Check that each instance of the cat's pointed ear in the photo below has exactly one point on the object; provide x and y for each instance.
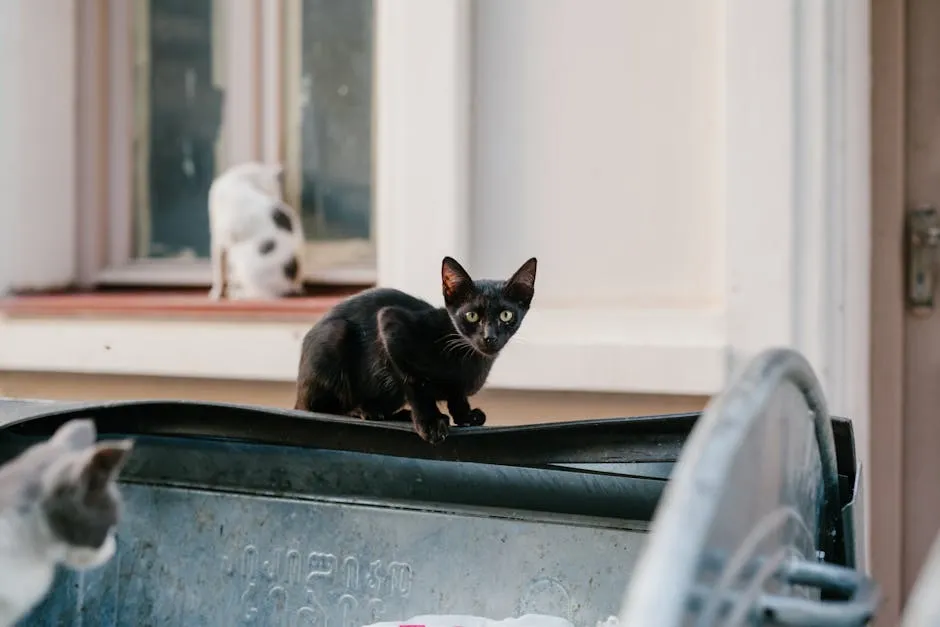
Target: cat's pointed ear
(104, 463)
(277, 169)
(455, 280)
(75, 435)
(278, 176)
(521, 285)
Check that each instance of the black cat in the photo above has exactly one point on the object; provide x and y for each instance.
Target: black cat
(378, 350)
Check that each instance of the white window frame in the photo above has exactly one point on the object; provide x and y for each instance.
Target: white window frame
(237, 31)
(256, 81)
(797, 246)
(327, 261)
(38, 222)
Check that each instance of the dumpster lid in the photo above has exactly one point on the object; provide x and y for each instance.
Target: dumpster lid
(288, 517)
(610, 440)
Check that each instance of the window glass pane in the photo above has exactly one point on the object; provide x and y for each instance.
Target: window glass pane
(178, 118)
(332, 120)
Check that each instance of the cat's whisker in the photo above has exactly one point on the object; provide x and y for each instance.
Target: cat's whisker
(451, 347)
(466, 351)
(460, 350)
(455, 341)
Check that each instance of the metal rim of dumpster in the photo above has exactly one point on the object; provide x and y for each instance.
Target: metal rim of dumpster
(674, 544)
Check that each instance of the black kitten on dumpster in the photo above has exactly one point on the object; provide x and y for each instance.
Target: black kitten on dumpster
(381, 349)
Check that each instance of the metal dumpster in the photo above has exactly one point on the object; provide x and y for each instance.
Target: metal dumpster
(239, 515)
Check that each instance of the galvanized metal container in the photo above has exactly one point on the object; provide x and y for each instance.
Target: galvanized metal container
(249, 515)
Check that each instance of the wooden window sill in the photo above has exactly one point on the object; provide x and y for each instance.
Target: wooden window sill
(184, 334)
(169, 304)
(178, 333)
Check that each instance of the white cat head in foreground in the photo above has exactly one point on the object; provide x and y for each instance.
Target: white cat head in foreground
(257, 240)
(59, 504)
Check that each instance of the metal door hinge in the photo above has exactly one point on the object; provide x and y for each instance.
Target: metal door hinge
(923, 239)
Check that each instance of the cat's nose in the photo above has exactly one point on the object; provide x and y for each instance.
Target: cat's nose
(489, 340)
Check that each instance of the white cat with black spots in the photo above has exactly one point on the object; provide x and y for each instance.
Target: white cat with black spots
(257, 240)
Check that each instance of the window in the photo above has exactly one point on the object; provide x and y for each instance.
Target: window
(328, 128)
(179, 75)
(426, 141)
(212, 83)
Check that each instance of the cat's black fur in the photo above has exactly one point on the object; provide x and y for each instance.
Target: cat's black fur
(382, 349)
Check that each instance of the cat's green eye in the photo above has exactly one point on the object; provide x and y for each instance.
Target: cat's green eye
(505, 315)
(472, 316)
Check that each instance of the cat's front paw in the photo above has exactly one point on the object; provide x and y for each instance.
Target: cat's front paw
(473, 418)
(215, 293)
(476, 418)
(435, 430)
(364, 415)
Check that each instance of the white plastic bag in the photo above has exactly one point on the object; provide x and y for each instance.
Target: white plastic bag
(455, 620)
(458, 620)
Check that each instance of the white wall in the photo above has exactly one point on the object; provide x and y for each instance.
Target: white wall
(37, 143)
(598, 146)
(660, 158)
(598, 138)
(9, 18)
(680, 168)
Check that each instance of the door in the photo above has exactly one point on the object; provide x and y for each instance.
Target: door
(921, 443)
(905, 409)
